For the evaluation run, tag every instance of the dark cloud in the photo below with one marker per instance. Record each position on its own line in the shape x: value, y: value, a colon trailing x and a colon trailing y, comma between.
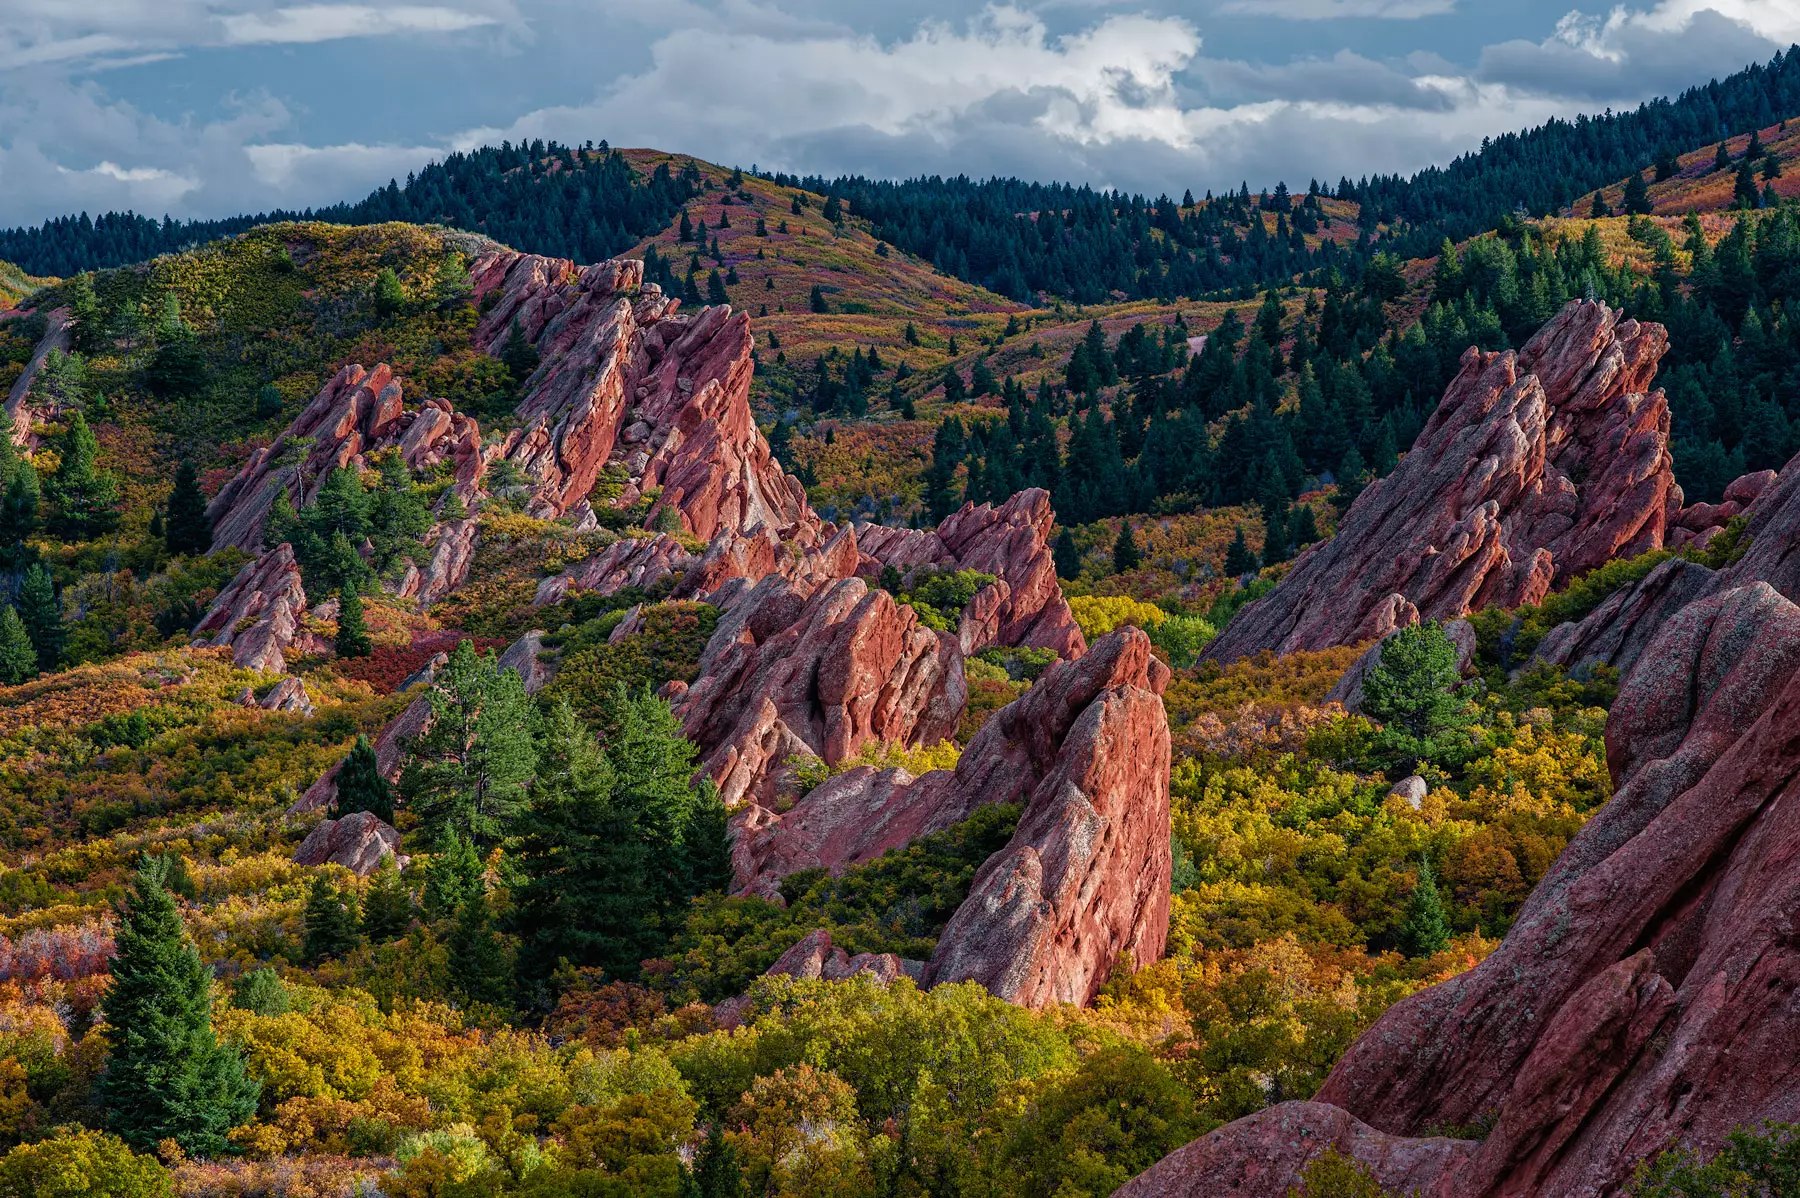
x: 1630, y: 62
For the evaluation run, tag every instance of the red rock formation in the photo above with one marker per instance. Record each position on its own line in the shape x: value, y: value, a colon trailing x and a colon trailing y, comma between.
x: 288, y: 695
x: 1011, y: 542
x: 358, y: 842
x: 1643, y: 997
x: 258, y: 613
x: 1617, y: 632
x: 1538, y: 466
x: 57, y: 335
x: 636, y: 562
x: 1085, y: 878
x: 626, y: 381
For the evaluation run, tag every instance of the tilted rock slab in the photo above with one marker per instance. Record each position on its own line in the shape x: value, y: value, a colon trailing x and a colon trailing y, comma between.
x: 1644, y: 996
x: 1538, y: 466
x: 359, y: 842
x: 258, y: 613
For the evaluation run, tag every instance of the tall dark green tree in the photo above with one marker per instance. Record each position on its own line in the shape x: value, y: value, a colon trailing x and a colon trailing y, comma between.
x: 518, y: 354
x: 186, y: 530
x: 1637, y: 196
x: 167, y: 1076
x: 177, y: 370
x: 83, y: 498
x: 41, y: 612
x: 18, y: 656
x: 352, y: 633
x: 388, y: 907
x: 1126, y: 556
x: 1239, y: 561
x: 389, y: 296
x: 470, y: 771
x: 332, y: 921
x: 717, y: 1173
x: 1426, y: 929
x: 480, y: 965
x: 1067, y: 556
x: 360, y: 786
x: 1412, y: 691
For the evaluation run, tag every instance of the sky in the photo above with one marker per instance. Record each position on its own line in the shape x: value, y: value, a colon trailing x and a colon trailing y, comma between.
x: 215, y: 107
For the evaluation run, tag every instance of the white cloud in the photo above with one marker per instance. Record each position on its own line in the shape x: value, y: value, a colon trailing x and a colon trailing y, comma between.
x: 1333, y: 10
x: 331, y: 22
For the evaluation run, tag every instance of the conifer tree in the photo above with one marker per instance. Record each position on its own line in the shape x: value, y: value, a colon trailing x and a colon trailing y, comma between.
x: 1745, y: 193
x: 470, y: 770
x: 360, y: 786
x: 187, y: 530
x: 717, y: 1173
x: 83, y: 498
x: 352, y: 634
x: 1126, y: 557
x: 331, y: 922
x: 817, y: 301
x: 167, y: 1076
x: 178, y: 368
x: 715, y: 290
x: 1426, y: 930
x: 261, y: 992
x: 1722, y: 157
x: 41, y: 612
x: 480, y: 970
x: 1352, y: 477
x: 453, y: 875
x: 1303, y: 529
x: 388, y: 908
x: 518, y: 354
x: 389, y: 296
x: 1637, y: 196
x: 1276, y: 546
x: 1068, y: 557
x: 1239, y: 561
x: 18, y: 656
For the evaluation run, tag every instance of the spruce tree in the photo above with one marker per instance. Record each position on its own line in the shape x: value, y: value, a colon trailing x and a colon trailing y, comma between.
x: 352, y: 634
x: 518, y: 354
x: 261, y: 991
x: 83, y: 498
x: 167, y: 1076
x: 1067, y: 556
x: 1352, y: 478
x: 706, y: 842
x: 390, y: 297
x: 41, y: 612
x: 187, y: 530
x: 1276, y: 546
x: 1426, y: 930
x: 268, y: 402
x: 816, y: 301
x: 331, y: 921
x: 717, y: 1173
x: 1239, y: 561
x: 1637, y: 196
x: 177, y: 370
x: 388, y: 908
x: 1126, y: 557
x: 18, y: 656
x: 360, y: 786
x: 479, y: 969
x: 1303, y: 529
x: 1722, y: 157
x: 470, y: 770
x: 715, y: 290
x: 1745, y: 193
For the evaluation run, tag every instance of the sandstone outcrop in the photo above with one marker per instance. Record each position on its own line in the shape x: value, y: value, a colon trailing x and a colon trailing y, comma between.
x: 632, y: 562
x: 1617, y: 632
x: 258, y: 614
x: 1643, y: 997
x: 1538, y: 466
x: 288, y: 695
x: 25, y: 416
x: 627, y: 381
x: 358, y: 842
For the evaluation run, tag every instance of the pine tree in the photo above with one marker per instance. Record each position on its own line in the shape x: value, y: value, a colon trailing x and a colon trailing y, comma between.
x: 706, y: 842
x: 1239, y: 561
x: 83, y: 498
x: 1745, y: 193
x: 18, y: 656
x: 41, y: 612
x: 1600, y: 209
x: 352, y: 634
x: 331, y: 922
x: 1126, y: 557
x: 717, y: 1173
x: 177, y: 370
x: 518, y: 354
x: 1722, y: 157
x: 167, y: 1076
x: 1352, y: 477
x: 1426, y: 929
x: 715, y: 290
x: 360, y: 786
x: 1067, y: 556
x: 479, y: 969
x: 1303, y: 530
x: 1276, y: 546
x: 470, y: 770
x: 817, y: 301
x: 388, y: 908
x: 390, y: 297
x: 1637, y: 196
x: 187, y: 530
x: 453, y: 875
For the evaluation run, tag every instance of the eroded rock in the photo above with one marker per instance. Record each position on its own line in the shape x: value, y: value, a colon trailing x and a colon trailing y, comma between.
x: 358, y: 842
x: 258, y: 614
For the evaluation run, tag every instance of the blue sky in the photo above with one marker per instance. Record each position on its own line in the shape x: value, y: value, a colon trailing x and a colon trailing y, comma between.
x: 211, y: 107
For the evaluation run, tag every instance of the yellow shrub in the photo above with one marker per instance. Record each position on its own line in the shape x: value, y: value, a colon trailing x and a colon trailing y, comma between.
x: 1101, y: 614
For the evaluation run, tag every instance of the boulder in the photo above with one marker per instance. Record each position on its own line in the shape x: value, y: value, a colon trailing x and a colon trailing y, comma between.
x: 258, y: 613
x: 358, y: 842
x: 1411, y: 790
x: 1538, y: 466
x: 815, y: 957
x: 1643, y: 997
x: 634, y: 562
x: 1617, y: 632
x: 1348, y: 690
x: 288, y: 695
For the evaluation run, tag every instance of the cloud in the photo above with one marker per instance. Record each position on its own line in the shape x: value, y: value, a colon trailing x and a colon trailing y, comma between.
x: 1628, y: 55
x: 1334, y: 10
x: 330, y: 22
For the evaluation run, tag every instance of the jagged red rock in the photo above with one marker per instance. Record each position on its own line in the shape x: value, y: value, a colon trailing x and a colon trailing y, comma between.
x: 1538, y: 466
x: 258, y: 614
x: 358, y: 842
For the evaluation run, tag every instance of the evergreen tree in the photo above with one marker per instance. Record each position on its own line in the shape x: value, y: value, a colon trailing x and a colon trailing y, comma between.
x: 1276, y: 546
x: 1068, y: 557
x: 1239, y: 561
x: 261, y: 992
x: 717, y: 1173
x: 1600, y: 208
x: 331, y: 922
x: 268, y: 402
x: 1412, y: 692
x: 41, y: 612
x: 360, y: 786
x: 1303, y: 530
x: 470, y: 769
x: 1745, y: 193
x: 1637, y: 196
x: 1668, y: 165
x: 390, y: 298
x: 18, y: 656
x: 480, y: 970
x: 167, y: 1076
x: 1126, y: 557
x: 177, y: 369
x: 83, y: 498
x: 715, y: 290
x: 388, y: 909
x: 518, y: 354
x: 18, y: 513
x: 954, y: 392
x: 1722, y: 158
x: 187, y: 530
x: 1352, y: 477
x: 817, y: 301
x: 352, y: 634
x: 1426, y: 929
x: 454, y: 874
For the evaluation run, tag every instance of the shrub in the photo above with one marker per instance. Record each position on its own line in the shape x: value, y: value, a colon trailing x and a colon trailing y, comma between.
x: 1101, y: 614
x: 81, y: 1164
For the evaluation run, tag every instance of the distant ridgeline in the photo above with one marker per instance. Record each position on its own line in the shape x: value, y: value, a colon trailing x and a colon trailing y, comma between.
x: 542, y: 196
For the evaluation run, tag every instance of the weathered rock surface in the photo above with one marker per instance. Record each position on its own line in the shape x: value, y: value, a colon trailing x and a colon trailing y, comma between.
x: 358, y: 842
x: 1643, y: 997
x: 616, y: 355
x: 1349, y: 688
x: 635, y: 562
x: 25, y: 416
x: 288, y: 695
x: 258, y: 613
x: 1538, y: 466
x: 1011, y: 542
x: 1618, y: 631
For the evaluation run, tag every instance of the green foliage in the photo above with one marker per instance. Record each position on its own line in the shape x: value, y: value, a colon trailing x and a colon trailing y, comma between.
x: 518, y: 354
x: 1762, y: 1163
x: 83, y: 499
x: 332, y: 921
x: 481, y: 967
x: 186, y: 530
x: 1426, y: 930
x: 352, y: 633
x: 667, y: 648
x: 1068, y: 557
x: 1239, y: 561
x: 939, y: 596
x: 392, y: 517
x: 167, y: 1076
x: 360, y: 785
x: 261, y: 991
x: 1126, y: 556
x: 18, y: 656
x: 468, y: 773
x: 388, y: 905
x: 389, y: 296
x: 41, y: 612
x: 1182, y: 638
x: 1509, y: 639
x: 1333, y: 1175
x: 81, y: 1164
x: 1412, y: 693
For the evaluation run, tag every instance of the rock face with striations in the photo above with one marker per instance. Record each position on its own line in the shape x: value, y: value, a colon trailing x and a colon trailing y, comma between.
x: 258, y: 613
x: 1537, y: 466
x: 358, y: 842
x: 1643, y: 997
